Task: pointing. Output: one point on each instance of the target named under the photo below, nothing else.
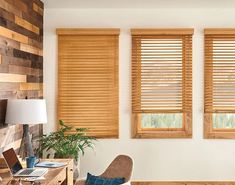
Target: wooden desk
(54, 176)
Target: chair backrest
(121, 166)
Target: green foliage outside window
(225, 120)
(161, 120)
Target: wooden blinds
(162, 70)
(88, 80)
(219, 70)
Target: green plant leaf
(66, 145)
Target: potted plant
(66, 145)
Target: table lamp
(26, 111)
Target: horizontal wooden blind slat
(88, 31)
(219, 70)
(162, 32)
(161, 71)
(219, 31)
(88, 81)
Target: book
(47, 164)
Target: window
(219, 103)
(162, 83)
(88, 80)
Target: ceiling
(137, 4)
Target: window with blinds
(162, 82)
(88, 80)
(219, 103)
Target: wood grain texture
(219, 78)
(21, 28)
(88, 82)
(8, 44)
(162, 79)
(30, 49)
(27, 25)
(24, 70)
(37, 9)
(5, 77)
(163, 31)
(219, 31)
(21, 61)
(10, 8)
(13, 35)
(30, 86)
(18, 4)
(36, 60)
(54, 176)
(10, 60)
(88, 31)
(7, 15)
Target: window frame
(186, 130)
(209, 131)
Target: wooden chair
(121, 166)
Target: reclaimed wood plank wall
(21, 61)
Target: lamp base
(26, 148)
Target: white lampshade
(26, 111)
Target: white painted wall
(154, 159)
